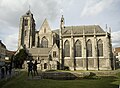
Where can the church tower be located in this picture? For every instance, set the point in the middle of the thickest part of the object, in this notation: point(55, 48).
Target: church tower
point(27, 30)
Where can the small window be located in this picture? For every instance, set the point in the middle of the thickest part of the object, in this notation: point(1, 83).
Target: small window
point(44, 30)
point(38, 59)
point(54, 53)
point(26, 22)
point(25, 32)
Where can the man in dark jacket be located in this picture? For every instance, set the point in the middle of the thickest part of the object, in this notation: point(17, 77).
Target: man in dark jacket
point(35, 68)
point(30, 67)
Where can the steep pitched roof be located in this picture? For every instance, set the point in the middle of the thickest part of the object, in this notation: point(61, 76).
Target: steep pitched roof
point(2, 45)
point(10, 53)
point(56, 31)
point(45, 25)
point(28, 13)
point(88, 29)
point(55, 46)
point(117, 49)
point(39, 51)
point(80, 29)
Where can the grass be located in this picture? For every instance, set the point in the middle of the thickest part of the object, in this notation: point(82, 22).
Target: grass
point(117, 82)
point(22, 81)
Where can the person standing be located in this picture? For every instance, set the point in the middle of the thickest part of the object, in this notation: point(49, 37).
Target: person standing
point(6, 69)
point(35, 68)
point(2, 72)
point(10, 69)
point(30, 67)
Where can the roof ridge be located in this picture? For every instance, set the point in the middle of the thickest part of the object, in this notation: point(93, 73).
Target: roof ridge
point(81, 25)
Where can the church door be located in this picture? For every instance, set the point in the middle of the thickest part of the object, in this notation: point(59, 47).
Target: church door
point(45, 66)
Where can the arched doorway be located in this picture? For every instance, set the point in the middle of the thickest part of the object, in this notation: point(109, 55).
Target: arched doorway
point(45, 66)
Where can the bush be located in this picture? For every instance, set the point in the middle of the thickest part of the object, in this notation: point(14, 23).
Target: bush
point(66, 68)
point(19, 58)
point(91, 75)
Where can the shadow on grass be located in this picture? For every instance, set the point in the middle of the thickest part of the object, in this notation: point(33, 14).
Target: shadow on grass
point(88, 79)
point(4, 81)
point(88, 82)
point(58, 76)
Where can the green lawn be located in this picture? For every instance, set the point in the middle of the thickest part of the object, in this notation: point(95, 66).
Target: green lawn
point(22, 81)
point(117, 81)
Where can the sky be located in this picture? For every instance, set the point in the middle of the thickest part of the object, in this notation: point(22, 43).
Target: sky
point(76, 12)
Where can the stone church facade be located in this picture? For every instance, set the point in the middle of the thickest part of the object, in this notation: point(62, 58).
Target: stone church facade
point(70, 47)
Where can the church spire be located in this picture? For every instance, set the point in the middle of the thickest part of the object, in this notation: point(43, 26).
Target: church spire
point(29, 13)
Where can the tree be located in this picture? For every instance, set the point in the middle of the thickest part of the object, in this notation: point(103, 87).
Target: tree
point(19, 58)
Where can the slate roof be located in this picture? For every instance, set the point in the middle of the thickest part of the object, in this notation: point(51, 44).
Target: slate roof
point(56, 31)
point(2, 45)
point(39, 51)
point(89, 29)
point(117, 49)
point(10, 53)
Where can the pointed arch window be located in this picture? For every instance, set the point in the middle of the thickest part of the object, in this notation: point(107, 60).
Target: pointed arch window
point(100, 48)
point(89, 48)
point(67, 48)
point(26, 22)
point(38, 43)
point(44, 43)
point(78, 49)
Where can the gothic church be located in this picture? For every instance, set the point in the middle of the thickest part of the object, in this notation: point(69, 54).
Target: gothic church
point(69, 47)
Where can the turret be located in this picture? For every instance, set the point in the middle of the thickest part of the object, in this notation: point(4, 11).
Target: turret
point(62, 22)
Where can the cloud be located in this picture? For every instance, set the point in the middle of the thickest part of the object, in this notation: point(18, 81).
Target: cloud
point(94, 7)
point(116, 39)
point(11, 41)
point(42, 9)
point(9, 36)
point(12, 10)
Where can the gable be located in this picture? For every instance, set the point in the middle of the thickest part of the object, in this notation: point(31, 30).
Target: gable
point(55, 47)
point(55, 52)
point(45, 28)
